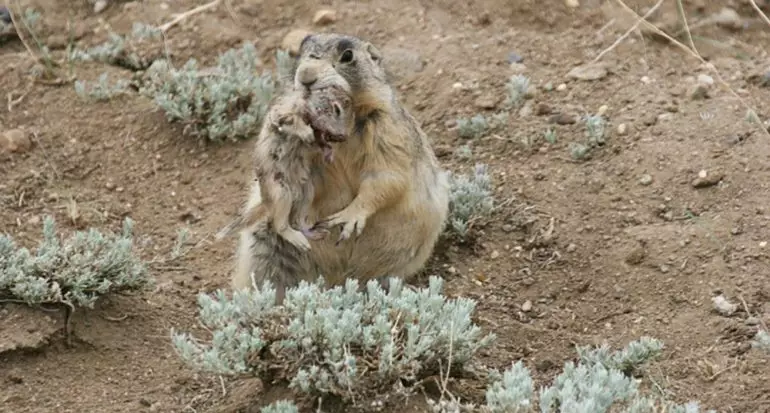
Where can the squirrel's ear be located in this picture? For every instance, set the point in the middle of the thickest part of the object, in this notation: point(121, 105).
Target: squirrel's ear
point(305, 40)
point(374, 53)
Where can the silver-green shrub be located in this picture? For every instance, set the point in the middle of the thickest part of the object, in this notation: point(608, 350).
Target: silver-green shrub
point(281, 406)
point(762, 340)
point(75, 271)
point(102, 90)
point(340, 340)
point(470, 199)
point(226, 103)
point(135, 51)
point(594, 385)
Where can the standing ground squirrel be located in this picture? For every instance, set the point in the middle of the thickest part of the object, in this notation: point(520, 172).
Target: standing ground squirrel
point(384, 188)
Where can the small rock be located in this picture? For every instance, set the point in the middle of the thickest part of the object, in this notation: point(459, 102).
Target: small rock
point(722, 306)
point(591, 71)
point(563, 119)
point(752, 321)
point(646, 80)
point(292, 40)
point(728, 19)
point(495, 255)
point(622, 129)
point(527, 306)
point(571, 248)
point(543, 109)
point(562, 87)
point(15, 141)
point(486, 102)
point(5, 16)
point(650, 119)
point(706, 179)
point(324, 17)
point(646, 179)
point(636, 256)
point(528, 281)
point(706, 80)
point(507, 227)
point(109, 185)
point(572, 4)
point(514, 58)
point(699, 92)
point(100, 5)
point(602, 110)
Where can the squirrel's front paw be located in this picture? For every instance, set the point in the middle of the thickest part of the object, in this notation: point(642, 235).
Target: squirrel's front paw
point(351, 220)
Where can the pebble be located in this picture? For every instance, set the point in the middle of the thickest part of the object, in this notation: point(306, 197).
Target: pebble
point(728, 18)
point(622, 129)
point(293, 39)
point(486, 102)
point(15, 141)
point(324, 17)
point(562, 87)
point(571, 248)
point(495, 254)
point(602, 110)
point(527, 306)
point(100, 5)
point(514, 58)
point(588, 72)
point(573, 4)
point(706, 179)
point(646, 179)
point(705, 80)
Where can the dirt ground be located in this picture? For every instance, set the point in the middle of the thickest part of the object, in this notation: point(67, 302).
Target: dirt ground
point(616, 247)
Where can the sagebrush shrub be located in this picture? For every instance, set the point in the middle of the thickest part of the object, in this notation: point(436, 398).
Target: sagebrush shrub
point(470, 199)
point(102, 90)
point(226, 103)
point(340, 341)
point(136, 51)
point(75, 271)
point(762, 340)
point(593, 385)
point(469, 128)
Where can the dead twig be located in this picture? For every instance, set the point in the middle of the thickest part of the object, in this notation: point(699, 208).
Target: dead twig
point(168, 25)
point(761, 13)
point(703, 61)
point(629, 31)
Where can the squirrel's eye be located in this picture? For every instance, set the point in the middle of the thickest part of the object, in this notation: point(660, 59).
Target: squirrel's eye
point(347, 56)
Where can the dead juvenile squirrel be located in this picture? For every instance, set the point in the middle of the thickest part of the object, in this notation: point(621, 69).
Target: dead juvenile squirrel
point(384, 188)
point(286, 149)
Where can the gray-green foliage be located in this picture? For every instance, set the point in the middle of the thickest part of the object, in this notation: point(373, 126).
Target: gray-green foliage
point(340, 340)
point(473, 127)
point(470, 199)
point(102, 90)
point(227, 103)
point(281, 406)
point(516, 87)
point(135, 51)
point(593, 385)
point(595, 137)
point(762, 340)
point(75, 271)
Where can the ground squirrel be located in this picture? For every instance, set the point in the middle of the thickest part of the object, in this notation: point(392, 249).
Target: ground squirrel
point(385, 187)
point(286, 149)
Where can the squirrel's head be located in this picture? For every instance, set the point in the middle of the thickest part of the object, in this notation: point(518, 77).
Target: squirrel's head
point(346, 62)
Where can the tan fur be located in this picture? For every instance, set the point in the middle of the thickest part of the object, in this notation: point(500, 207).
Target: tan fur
point(385, 188)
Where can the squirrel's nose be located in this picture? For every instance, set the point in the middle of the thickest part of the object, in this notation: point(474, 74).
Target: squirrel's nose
point(307, 76)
